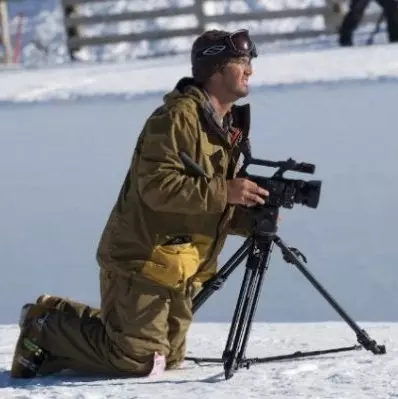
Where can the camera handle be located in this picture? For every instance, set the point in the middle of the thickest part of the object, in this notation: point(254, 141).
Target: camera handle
point(257, 249)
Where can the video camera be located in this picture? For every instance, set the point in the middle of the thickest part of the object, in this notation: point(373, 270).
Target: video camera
point(283, 192)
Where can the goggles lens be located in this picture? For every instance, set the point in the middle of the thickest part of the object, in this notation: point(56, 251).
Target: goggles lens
point(241, 43)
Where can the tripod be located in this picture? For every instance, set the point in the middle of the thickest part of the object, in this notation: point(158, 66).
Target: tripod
point(257, 249)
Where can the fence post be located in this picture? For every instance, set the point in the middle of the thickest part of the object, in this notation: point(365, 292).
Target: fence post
point(334, 14)
point(5, 32)
point(71, 31)
point(200, 15)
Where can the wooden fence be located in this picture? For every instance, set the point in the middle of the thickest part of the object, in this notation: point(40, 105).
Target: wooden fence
point(331, 14)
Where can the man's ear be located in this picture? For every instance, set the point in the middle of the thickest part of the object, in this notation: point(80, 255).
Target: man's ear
point(223, 66)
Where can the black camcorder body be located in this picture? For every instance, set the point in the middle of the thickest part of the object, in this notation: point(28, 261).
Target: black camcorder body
point(287, 192)
point(283, 192)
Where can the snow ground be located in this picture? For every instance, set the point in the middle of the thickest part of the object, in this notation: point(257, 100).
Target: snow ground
point(347, 375)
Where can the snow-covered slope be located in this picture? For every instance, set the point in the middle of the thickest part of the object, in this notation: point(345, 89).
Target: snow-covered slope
point(127, 80)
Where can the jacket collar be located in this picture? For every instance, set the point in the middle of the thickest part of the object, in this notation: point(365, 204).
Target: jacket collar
point(235, 125)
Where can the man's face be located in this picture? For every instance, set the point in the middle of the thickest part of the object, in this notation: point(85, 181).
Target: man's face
point(235, 77)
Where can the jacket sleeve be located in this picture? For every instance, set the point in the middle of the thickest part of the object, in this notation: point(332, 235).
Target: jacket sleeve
point(242, 223)
point(163, 180)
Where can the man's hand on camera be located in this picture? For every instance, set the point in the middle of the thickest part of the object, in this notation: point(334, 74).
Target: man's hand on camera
point(245, 192)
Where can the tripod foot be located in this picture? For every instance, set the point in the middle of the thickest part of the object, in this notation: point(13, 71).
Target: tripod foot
point(230, 364)
point(370, 344)
point(229, 369)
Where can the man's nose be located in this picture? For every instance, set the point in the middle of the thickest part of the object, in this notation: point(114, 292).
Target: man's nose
point(249, 69)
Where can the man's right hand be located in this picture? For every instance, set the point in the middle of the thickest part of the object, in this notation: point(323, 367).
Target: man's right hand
point(242, 191)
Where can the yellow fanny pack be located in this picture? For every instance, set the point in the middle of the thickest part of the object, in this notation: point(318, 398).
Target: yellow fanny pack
point(172, 264)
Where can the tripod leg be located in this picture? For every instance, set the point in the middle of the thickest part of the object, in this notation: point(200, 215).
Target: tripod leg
point(253, 305)
point(362, 336)
point(246, 305)
point(215, 282)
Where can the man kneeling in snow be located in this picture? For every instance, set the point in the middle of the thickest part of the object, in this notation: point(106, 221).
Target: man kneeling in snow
point(165, 232)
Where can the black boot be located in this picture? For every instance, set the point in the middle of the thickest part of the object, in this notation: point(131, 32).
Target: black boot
point(345, 40)
point(392, 24)
point(28, 355)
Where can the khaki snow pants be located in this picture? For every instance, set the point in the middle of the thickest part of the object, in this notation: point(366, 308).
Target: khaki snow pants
point(137, 318)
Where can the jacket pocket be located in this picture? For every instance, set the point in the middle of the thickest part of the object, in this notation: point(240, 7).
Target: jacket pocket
point(172, 265)
point(216, 162)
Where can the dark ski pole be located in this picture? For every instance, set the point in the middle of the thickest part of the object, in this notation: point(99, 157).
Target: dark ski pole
point(375, 30)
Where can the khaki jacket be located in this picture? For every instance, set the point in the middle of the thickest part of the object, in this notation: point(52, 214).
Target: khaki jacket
point(169, 223)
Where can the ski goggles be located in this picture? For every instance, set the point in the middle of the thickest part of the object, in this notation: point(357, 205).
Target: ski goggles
point(236, 44)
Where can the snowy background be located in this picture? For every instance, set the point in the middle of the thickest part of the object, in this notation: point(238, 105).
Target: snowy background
point(66, 137)
point(44, 34)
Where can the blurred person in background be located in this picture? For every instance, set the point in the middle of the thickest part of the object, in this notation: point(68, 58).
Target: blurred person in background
point(355, 15)
point(164, 233)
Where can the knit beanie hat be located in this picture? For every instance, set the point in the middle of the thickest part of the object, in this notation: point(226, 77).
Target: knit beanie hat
point(204, 67)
